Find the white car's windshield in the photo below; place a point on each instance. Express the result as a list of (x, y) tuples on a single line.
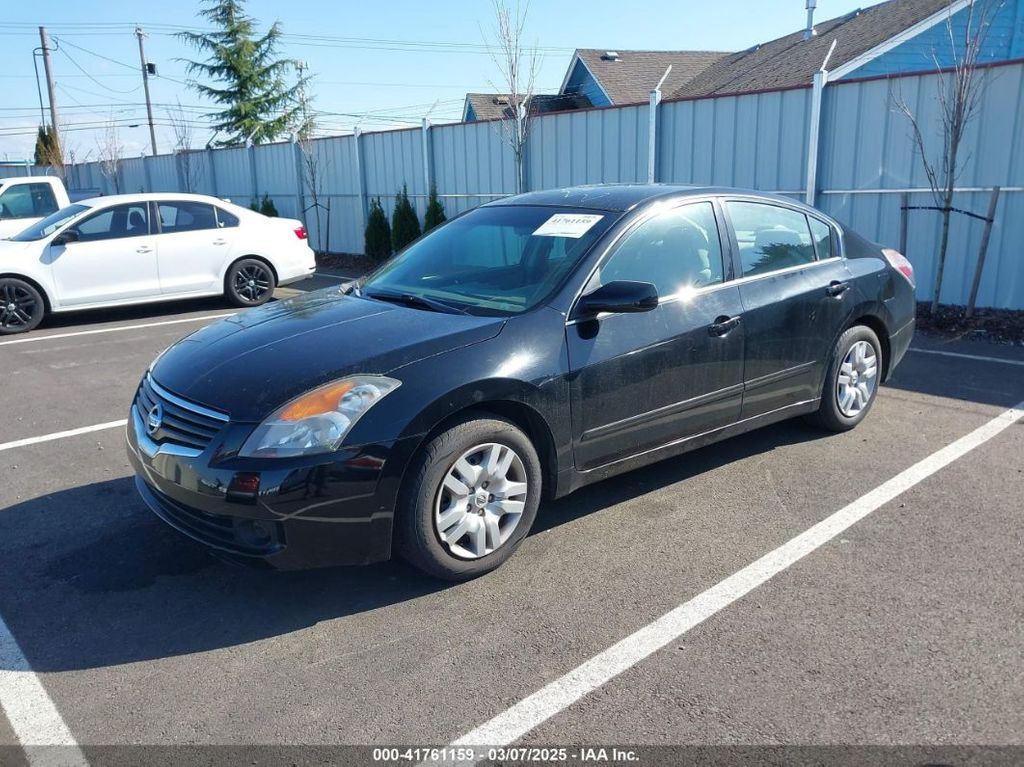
[(493, 260), (51, 223)]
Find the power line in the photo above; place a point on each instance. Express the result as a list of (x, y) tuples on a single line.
[(82, 70)]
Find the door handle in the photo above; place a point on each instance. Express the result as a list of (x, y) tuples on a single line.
[(220, 242), (722, 325), (836, 288), (143, 249)]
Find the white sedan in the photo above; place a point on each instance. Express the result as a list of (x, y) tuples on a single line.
[(138, 248)]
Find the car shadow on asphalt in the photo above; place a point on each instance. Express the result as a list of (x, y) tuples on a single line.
[(91, 578)]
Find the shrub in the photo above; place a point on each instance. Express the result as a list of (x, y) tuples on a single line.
[(435, 211), (405, 225), (267, 207), (378, 232)]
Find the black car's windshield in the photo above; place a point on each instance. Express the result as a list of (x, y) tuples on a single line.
[(51, 223), (493, 260)]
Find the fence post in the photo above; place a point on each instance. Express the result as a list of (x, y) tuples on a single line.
[(360, 181), (426, 154), (213, 172), (147, 177), (252, 173), (983, 250), (904, 203), (654, 98), (300, 183)]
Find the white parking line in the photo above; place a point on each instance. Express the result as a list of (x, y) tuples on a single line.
[(341, 277), (61, 434), (140, 326), (977, 357), (30, 711), (512, 724)]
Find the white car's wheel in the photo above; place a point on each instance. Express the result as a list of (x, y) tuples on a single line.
[(21, 306), (249, 282)]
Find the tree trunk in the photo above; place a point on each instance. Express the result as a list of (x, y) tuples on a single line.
[(940, 267)]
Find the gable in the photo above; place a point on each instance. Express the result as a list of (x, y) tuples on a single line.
[(933, 47), (581, 82)]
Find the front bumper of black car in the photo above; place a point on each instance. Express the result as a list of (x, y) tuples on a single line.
[(319, 511)]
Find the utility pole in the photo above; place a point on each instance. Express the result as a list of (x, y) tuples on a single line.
[(145, 86), (44, 40)]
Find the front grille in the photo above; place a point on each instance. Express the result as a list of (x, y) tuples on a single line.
[(181, 422)]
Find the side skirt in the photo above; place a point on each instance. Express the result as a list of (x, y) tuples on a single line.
[(573, 480)]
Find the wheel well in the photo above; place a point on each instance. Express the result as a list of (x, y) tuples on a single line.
[(883, 337), (527, 419), (34, 284), (255, 257)]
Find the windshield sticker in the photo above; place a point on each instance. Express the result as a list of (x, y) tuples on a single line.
[(573, 225)]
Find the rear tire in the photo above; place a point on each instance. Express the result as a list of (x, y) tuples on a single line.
[(22, 306), (851, 381), (471, 498), (249, 282)]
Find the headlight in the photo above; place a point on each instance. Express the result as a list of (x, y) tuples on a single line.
[(319, 420)]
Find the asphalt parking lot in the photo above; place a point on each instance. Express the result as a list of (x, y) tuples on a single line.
[(905, 629)]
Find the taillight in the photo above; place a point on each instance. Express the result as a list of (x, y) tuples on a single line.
[(300, 232), (900, 263)]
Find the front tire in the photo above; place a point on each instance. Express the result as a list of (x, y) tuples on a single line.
[(21, 306), (471, 499), (249, 282), (851, 381)]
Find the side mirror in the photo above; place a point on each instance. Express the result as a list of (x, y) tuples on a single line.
[(68, 235), (619, 297)]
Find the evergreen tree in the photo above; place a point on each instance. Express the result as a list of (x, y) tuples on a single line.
[(258, 104), (44, 145), (405, 225), (267, 207), (435, 215), (378, 232)]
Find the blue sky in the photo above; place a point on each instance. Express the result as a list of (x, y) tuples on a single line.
[(438, 59)]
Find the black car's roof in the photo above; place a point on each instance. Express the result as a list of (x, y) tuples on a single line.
[(622, 197)]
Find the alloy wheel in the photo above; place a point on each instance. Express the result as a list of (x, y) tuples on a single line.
[(252, 282), (18, 306), (481, 500), (857, 379)]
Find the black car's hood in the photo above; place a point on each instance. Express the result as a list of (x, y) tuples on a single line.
[(252, 363)]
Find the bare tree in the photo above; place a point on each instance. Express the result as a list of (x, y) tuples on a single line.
[(959, 90), (314, 166), (111, 152), (182, 127), (314, 171), (518, 66)]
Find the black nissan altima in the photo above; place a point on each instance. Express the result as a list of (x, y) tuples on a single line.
[(520, 351)]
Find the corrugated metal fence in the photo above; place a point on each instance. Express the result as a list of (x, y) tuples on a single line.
[(760, 141)]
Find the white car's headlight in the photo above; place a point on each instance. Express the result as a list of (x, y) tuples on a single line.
[(319, 420)]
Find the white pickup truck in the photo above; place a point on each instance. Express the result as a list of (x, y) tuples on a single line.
[(27, 199)]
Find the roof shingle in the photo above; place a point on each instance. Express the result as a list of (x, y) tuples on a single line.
[(791, 61), (633, 74), (492, 106)]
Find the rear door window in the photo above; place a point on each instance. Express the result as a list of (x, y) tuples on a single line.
[(186, 216), (770, 237)]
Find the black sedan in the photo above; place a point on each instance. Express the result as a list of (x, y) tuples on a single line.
[(515, 354)]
